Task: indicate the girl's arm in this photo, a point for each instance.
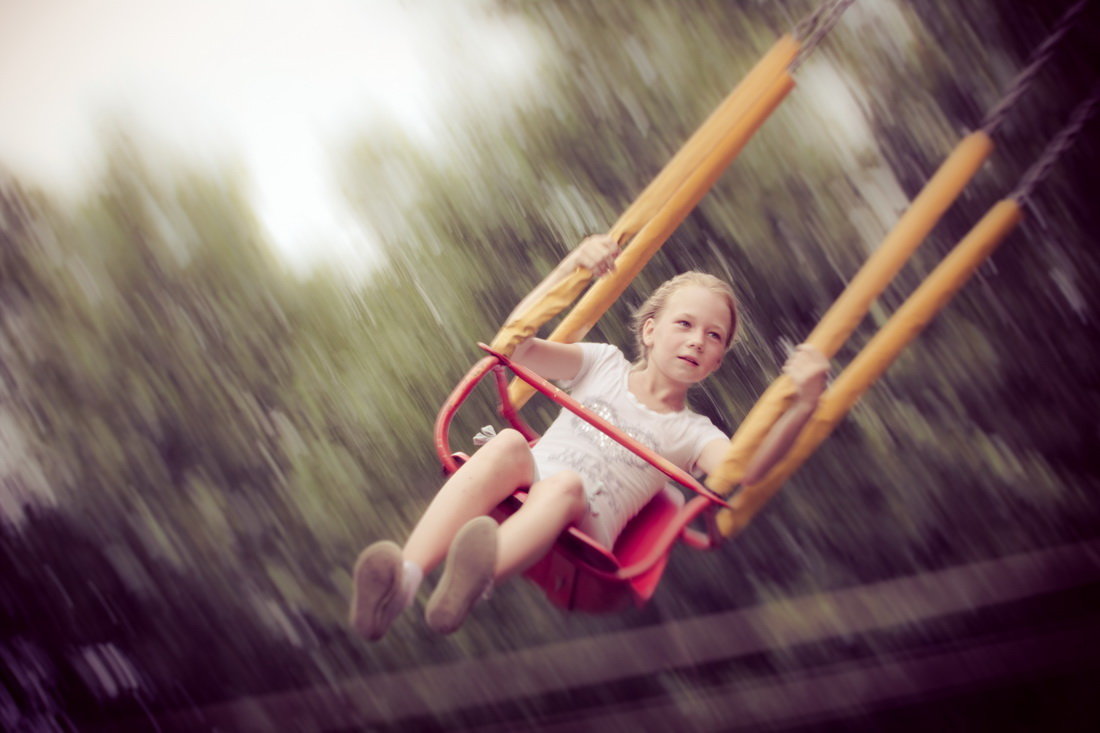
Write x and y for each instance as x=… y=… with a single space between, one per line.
x=595 y=253
x=549 y=359
x=807 y=368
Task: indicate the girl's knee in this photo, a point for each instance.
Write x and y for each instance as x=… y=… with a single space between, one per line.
x=566 y=487
x=507 y=440
x=508 y=450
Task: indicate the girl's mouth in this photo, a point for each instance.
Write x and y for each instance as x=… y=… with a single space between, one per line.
x=689 y=360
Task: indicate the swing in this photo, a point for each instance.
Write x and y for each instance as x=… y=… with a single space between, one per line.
x=580 y=574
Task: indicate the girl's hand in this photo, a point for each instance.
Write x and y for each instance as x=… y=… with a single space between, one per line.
x=807 y=368
x=596 y=254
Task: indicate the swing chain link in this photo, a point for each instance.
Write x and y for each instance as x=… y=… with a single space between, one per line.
x=813 y=29
x=809 y=24
x=1056 y=147
x=1039 y=58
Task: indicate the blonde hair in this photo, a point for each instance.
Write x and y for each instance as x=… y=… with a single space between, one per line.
x=657 y=300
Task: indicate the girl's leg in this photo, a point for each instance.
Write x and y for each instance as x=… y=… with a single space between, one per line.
x=553 y=504
x=496 y=470
x=483 y=554
x=386 y=577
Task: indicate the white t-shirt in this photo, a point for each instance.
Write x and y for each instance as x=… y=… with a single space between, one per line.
x=617 y=483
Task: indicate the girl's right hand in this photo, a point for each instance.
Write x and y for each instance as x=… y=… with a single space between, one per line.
x=807 y=367
x=596 y=254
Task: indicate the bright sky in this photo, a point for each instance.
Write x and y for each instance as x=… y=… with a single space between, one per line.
x=273 y=83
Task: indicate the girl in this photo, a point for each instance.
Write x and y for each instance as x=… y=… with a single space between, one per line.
x=577 y=475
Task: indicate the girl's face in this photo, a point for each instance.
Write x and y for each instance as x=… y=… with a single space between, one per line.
x=687 y=338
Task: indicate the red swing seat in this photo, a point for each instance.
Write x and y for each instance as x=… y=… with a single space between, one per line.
x=578 y=573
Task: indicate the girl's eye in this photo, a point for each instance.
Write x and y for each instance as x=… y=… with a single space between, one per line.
x=683 y=323
x=715 y=335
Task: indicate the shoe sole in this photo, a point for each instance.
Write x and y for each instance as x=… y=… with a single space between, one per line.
x=471 y=563
x=375 y=581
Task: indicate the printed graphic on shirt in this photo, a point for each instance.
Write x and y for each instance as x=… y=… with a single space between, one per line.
x=612 y=449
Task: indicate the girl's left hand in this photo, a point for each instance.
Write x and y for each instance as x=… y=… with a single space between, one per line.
x=807 y=368
x=597 y=254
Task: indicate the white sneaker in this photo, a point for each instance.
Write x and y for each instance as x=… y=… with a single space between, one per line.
x=467 y=576
x=376 y=580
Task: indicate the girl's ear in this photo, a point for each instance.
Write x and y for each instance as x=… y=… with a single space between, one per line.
x=647 y=332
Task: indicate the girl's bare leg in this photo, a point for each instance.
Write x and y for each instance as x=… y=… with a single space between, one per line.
x=483 y=554
x=552 y=505
x=496 y=470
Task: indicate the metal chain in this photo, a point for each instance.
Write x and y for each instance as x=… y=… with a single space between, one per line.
x=1039 y=58
x=816 y=27
x=809 y=24
x=1056 y=147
